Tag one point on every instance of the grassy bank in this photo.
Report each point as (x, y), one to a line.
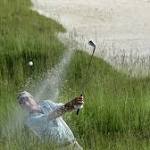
(117, 106)
(116, 113)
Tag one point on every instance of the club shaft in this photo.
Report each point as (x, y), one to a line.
(89, 64)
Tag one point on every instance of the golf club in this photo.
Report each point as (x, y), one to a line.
(89, 64)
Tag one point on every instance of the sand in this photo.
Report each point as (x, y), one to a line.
(120, 28)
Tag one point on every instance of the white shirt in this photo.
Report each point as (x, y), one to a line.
(55, 130)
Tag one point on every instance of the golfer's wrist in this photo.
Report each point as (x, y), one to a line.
(65, 108)
(68, 107)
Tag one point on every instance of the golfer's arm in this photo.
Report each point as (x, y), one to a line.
(57, 112)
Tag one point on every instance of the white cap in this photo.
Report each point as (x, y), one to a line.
(24, 94)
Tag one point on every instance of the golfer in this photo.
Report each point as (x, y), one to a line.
(45, 119)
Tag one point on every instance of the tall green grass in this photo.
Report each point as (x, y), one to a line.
(116, 112)
(117, 106)
(24, 36)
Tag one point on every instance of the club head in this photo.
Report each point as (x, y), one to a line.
(91, 43)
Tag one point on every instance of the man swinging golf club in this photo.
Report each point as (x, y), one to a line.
(45, 119)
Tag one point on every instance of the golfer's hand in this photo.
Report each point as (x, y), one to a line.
(74, 104)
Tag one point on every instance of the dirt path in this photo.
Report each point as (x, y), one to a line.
(120, 28)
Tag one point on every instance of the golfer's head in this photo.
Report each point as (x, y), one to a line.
(26, 100)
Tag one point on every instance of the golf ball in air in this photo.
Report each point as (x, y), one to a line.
(30, 63)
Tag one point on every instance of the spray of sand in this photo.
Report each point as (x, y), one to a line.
(15, 118)
(49, 87)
